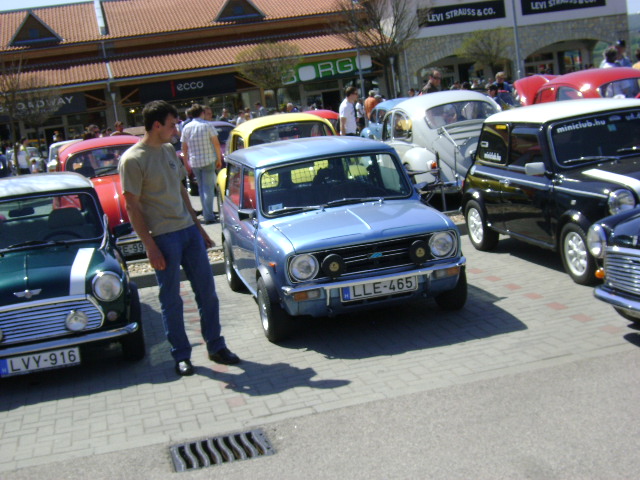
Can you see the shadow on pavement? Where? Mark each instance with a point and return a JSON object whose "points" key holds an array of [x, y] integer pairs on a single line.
{"points": [[394, 330], [259, 379]]}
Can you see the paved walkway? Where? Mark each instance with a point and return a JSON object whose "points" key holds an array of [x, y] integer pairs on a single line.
{"points": [[523, 314]]}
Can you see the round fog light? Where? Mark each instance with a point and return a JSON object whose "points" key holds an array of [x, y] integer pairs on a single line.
{"points": [[418, 252], [112, 316], [333, 265], [76, 321]]}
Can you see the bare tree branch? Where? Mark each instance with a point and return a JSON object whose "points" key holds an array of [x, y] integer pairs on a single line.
{"points": [[268, 64], [488, 48]]}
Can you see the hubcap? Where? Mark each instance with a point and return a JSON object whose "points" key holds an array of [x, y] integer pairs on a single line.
{"points": [[474, 223], [575, 253]]}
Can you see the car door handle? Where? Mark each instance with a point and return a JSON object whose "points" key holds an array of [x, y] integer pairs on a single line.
{"points": [[504, 181], [236, 228]]}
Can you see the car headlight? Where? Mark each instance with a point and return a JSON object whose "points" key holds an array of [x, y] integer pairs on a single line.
{"points": [[107, 286], [621, 200], [596, 240], [442, 244], [303, 267]]}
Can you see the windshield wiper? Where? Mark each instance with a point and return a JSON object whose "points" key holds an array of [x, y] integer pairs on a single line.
{"points": [[634, 149], [36, 243], [347, 201], [590, 158], [278, 211]]}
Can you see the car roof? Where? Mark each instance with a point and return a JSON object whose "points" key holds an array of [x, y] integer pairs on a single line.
{"points": [[279, 118], [285, 151], [390, 103], [417, 105], [42, 183], [100, 142], [594, 76], [551, 111]]}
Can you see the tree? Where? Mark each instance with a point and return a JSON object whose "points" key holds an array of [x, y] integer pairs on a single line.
{"points": [[488, 48], [23, 97], [381, 28], [268, 64]]}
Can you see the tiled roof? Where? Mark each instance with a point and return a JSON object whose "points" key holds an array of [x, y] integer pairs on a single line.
{"points": [[124, 68], [76, 23]]}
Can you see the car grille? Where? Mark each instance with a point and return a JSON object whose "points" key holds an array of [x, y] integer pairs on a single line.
{"points": [[36, 321], [374, 257], [623, 271]]}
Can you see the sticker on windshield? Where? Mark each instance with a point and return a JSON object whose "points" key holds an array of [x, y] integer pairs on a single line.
{"points": [[580, 125], [496, 157], [274, 208]]}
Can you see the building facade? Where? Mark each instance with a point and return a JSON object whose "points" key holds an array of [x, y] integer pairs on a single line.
{"points": [[553, 36], [102, 60]]}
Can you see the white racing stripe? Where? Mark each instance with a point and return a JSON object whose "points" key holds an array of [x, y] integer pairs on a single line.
{"points": [[623, 180], [79, 271]]}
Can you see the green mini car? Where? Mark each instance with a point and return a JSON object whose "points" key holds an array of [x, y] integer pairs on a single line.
{"points": [[64, 284]]}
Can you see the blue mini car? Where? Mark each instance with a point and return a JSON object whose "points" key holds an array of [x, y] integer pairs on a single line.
{"points": [[324, 226]]}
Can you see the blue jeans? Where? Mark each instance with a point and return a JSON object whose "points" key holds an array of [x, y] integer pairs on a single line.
{"points": [[186, 247], [206, 178]]}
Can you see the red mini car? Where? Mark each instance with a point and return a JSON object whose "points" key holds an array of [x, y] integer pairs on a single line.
{"points": [[621, 82], [98, 159]]}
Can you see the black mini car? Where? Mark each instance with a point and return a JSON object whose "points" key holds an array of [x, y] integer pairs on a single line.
{"points": [[545, 173]]}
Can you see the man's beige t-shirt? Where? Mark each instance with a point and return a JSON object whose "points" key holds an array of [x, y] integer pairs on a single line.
{"points": [[155, 175]]}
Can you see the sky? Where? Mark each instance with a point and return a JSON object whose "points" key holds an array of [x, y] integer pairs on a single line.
{"points": [[633, 6]]}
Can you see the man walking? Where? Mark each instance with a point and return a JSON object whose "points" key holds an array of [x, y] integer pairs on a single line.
{"points": [[347, 111], [161, 214], [200, 145]]}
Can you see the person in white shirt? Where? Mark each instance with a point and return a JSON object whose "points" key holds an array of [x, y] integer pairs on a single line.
{"points": [[347, 111]]}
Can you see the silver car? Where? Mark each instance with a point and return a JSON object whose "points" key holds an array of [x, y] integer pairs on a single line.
{"points": [[436, 134]]}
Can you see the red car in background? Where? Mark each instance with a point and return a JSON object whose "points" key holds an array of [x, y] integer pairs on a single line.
{"points": [[333, 117], [525, 89], [620, 82], [98, 160]]}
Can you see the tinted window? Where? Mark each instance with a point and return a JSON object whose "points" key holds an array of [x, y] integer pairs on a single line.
{"points": [[580, 140], [525, 148], [627, 88], [568, 93], [492, 147], [233, 183]]}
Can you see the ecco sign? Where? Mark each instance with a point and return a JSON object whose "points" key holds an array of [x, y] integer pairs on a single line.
{"points": [[326, 69], [189, 86]]}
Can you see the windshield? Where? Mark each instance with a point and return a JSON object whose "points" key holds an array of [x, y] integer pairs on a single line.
{"points": [[597, 137], [96, 162], [287, 131], [626, 88], [341, 180], [43, 220], [459, 112]]}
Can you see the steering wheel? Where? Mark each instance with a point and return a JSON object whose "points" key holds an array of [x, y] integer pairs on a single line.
{"points": [[61, 233]]}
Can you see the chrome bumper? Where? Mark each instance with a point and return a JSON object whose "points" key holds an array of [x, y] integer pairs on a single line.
{"points": [[632, 307], [102, 336]]}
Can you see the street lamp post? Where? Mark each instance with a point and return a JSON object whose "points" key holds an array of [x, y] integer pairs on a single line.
{"points": [[516, 40], [358, 64]]}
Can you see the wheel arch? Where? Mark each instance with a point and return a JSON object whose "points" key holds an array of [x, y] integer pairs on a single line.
{"points": [[571, 216]]}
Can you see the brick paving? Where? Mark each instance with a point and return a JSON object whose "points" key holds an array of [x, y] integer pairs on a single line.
{"points": [[523, 313]]}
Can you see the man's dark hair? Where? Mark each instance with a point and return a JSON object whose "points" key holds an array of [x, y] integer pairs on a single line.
{"points": [[350, 90], [610, 54], [434, 72], [196, 110], [157, 110]]}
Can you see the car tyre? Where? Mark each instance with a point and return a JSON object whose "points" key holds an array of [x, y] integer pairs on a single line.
{"points": [[233, 279], [577, 260], [481, 236], [456, 298], [133, 346], [276, 323]]}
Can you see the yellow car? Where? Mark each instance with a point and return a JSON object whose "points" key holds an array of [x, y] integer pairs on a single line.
{"points": [[272, 128]]}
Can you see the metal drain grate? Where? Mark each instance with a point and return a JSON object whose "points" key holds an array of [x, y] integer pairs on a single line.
{"points": [[213, 451]]}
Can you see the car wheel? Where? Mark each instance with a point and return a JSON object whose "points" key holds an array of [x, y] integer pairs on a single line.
{"points": [[577, 260], [481, 236], [233, 279], [133, 347], [456, 298], [276, 323]]}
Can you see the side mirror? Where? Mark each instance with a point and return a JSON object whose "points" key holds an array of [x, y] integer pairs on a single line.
{"points": [[246, 214], [535, 169]]}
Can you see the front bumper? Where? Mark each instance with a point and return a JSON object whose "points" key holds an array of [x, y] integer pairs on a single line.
{"points": [[94, 337], [330, 302], [631, 306]]}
